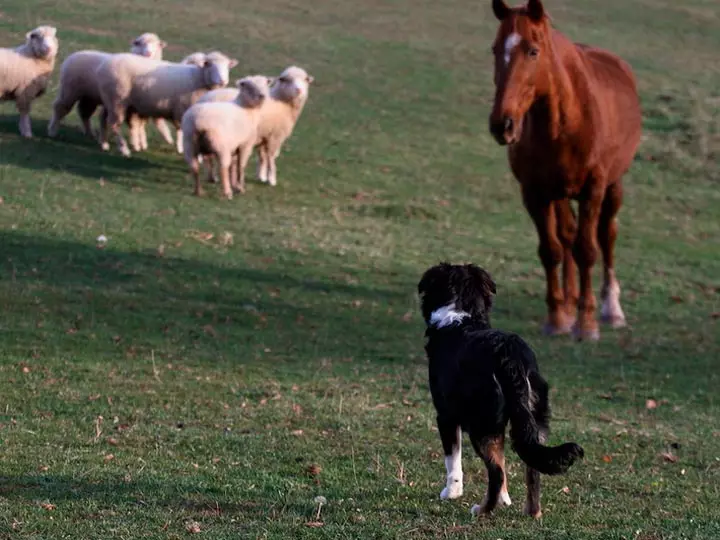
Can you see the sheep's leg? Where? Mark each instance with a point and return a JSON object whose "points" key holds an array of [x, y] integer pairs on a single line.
{"points": [[273, 151], [61, 108], [211, 178], [164, 130], [241, 162], [262, 162], [234, 162], [23, 107], [195, 170], [178, 139], [225, 161], [102, 135], [142, 132], [116, 116], [133, 122], [86, 108]]}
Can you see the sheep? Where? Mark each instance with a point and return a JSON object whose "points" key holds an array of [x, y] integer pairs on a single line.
{"points": [[155, 89], [197, 59], [222, 128], [278, 116], [79, 85], [224, 94], [26, 70]]}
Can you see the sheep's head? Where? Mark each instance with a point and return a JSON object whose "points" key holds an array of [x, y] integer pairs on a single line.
{"points": [[43, 41], [217, 68], [194, 59], [148, 45], [254, 89], [292, 85]]}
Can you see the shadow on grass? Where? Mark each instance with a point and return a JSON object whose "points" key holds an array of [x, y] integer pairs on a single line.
{"points": [[72, 298], [56, 490], [71, 152]]}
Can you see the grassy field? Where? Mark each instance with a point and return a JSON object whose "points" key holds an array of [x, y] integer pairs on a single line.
{"points": [[219, 364]]}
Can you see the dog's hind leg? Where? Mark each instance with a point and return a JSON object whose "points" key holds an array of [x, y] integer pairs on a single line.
{"points": [[540, 407], [451, 437], [492, 451]]}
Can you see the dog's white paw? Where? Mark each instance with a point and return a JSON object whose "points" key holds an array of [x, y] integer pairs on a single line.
{"points": [[453, 491], [478, 510], [504, 498]]}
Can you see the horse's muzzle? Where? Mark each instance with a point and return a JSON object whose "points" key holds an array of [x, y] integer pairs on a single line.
{"points": [[503, 130]]}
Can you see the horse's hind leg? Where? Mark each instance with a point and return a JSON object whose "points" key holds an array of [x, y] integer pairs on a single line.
{"points": [[611, 312], [550, 251], [567, 231], [585, 253]]}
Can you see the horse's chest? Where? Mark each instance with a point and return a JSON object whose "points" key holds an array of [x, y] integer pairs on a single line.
{"points": [[558, 172]]}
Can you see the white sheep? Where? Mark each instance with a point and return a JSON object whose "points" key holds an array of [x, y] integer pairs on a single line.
{"points": [[137, 123], [25, 71], [223, 94], [278, 116], [225, 130], [79, 85], [155, 89]]}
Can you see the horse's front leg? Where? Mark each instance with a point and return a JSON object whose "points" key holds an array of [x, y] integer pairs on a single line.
{"points": [[550, 251], [567, 232], [585, 254]]}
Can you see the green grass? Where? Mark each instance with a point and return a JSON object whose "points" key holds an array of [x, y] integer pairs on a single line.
{"points": [[213, 353]]}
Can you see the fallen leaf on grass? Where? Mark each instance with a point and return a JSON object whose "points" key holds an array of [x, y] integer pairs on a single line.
{"points": [[314, 524], [43, 468], [669, 457], [25, 369], [651, 404], [297, 432], [607, 459], [314, 469], [112, 441], [565, 490], [48, 506], [715, 315], [108, 457], [193, 527]]}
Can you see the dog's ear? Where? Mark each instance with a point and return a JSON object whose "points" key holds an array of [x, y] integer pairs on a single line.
{"points": [[485, 284]]}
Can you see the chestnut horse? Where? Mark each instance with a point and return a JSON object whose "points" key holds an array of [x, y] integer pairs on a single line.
{"points": [[570, 115]]}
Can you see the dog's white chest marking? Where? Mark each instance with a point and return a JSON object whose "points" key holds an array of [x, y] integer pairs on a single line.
{"points": [[511, 42], [447, 315]]}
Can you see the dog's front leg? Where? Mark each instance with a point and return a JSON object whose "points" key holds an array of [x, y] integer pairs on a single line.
{"points": [[451, 437]]}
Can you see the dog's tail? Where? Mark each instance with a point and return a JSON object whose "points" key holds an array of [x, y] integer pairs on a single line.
{"points": [[526, 408]]}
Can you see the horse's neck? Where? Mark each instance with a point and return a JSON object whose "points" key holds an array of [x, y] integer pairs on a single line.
{"points": [[560, 108]]}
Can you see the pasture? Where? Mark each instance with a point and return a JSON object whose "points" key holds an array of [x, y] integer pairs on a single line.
{"points": [[220, 364]]}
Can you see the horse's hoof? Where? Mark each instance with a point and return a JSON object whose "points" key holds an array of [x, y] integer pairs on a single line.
{"points": [[558, 328], [590, 333], [613, 321]]}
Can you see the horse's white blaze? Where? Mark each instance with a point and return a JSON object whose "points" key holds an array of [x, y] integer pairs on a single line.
{"points": [[512, 41]]}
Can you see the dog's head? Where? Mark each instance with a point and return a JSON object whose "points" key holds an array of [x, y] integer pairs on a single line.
{"points": [[451, 292]]}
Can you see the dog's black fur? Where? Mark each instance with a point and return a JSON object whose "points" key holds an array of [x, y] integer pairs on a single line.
{"points": [[481, 379]]}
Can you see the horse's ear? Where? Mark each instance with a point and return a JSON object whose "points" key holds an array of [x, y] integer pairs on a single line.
{"points": [[535, 10], [500, 9]]}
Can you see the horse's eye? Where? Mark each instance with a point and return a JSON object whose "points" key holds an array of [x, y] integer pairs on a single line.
{"points": [[533, 52]]}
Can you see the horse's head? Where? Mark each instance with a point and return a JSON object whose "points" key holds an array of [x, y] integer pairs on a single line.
{"points": [[522, 53]]}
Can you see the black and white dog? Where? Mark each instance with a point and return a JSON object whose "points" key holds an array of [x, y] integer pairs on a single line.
{"points": [[480, 379]]}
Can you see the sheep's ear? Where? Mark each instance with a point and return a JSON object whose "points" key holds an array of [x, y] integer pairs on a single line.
{"points": [[310, 79], [207, 63], [31, 35], [271, 81], [232, 63], [162, 44]]}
